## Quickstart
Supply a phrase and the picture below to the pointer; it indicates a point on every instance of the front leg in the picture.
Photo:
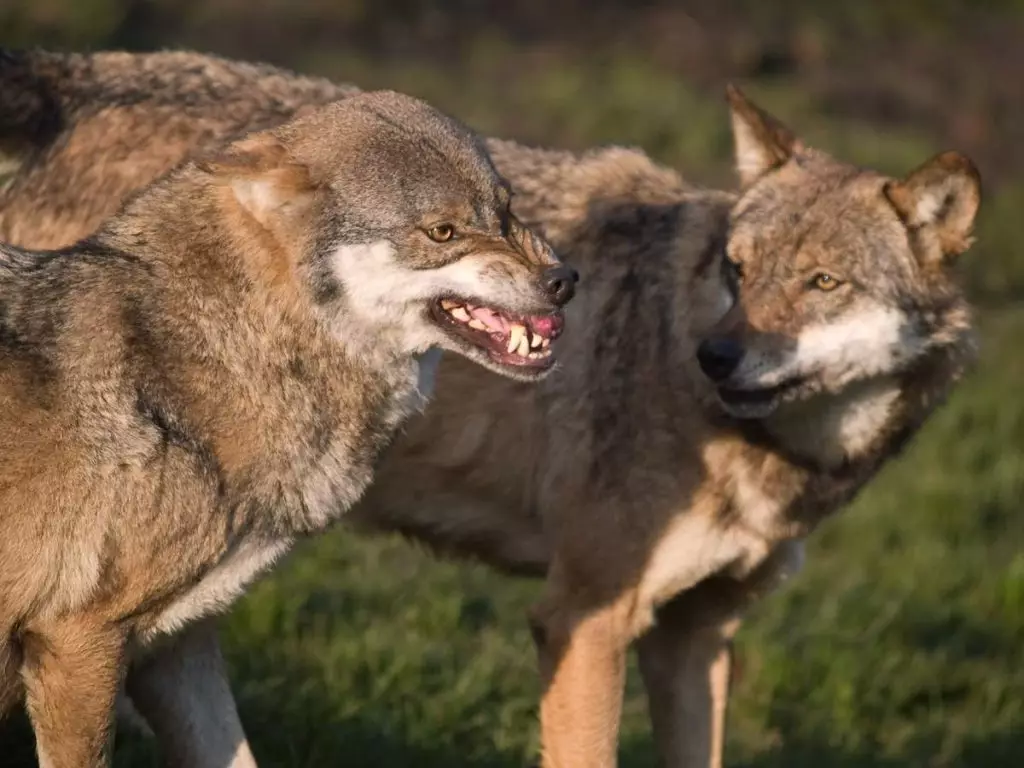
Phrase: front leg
(181, 689)
(71, 671)
(686, 660)
(686, 665)
(582, 645)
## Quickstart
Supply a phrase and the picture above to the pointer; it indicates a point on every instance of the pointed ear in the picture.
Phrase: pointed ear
(266, 182)
(942, 197)
(761, 142)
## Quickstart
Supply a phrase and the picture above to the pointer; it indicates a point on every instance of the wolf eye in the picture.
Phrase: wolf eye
(825, 282)
(441, 233)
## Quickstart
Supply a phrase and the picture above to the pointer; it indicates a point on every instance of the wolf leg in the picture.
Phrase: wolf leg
(686, 659)
(582, 645)
(181, 689)
(686, 668)
(71, 672)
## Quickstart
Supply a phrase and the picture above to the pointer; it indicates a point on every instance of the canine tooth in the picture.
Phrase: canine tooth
(524, 345)
(448, 304)
(536, 341)
(545, 343)
(474, 323)
(515, 334)
(460, 313)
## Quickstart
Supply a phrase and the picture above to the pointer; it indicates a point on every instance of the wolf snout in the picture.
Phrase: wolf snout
(719, 358)
(559, 283)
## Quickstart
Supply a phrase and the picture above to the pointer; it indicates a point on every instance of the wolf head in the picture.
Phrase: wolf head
(840, 275)
(401, 227)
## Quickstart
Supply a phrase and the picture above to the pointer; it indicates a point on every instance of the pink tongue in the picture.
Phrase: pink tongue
(494, 322)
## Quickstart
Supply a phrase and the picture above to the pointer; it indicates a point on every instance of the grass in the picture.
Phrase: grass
(901, 644)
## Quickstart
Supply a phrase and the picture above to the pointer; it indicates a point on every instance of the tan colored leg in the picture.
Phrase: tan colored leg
(582, 654)
(71, 672)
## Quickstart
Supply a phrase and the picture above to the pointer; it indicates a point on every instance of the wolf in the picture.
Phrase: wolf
(213, 374)
(742, 362)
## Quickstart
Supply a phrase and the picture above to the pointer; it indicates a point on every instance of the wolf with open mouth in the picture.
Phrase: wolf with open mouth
(213, 374)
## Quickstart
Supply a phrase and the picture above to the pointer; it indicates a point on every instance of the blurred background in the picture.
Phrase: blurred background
(902, 643)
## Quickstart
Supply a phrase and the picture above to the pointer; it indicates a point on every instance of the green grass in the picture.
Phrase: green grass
(902, 643)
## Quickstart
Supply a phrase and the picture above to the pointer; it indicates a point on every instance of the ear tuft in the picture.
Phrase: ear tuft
(942, 195)
(761, 142)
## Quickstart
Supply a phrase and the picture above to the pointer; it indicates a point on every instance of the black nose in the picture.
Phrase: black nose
(560, 283)
(718, 358)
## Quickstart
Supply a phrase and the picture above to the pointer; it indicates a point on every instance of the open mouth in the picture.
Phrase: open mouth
(523, 341)
(741, 397)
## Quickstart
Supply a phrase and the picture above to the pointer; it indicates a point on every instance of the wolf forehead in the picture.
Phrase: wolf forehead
(384, 144)
(821, 213)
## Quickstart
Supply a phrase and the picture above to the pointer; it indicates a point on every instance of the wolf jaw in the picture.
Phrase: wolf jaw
(870, 343)
(423, 308)
(864, 347)
(509, 339)
(759, 402)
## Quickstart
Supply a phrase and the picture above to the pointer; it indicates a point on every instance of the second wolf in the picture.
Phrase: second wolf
(741, 364)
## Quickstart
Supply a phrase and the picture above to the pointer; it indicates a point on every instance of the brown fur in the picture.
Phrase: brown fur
(196, 385)
(57, 108)
(656, 509)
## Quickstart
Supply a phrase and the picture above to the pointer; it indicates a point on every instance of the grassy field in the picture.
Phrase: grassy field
(902, 644)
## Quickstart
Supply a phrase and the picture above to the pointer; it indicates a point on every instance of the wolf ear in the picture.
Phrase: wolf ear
(266, 182)
(941, 196)
(761, 142)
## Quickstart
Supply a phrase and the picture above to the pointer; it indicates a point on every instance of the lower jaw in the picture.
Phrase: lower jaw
(520, 363)
(512, 362)
(750, 410)
(757, 404)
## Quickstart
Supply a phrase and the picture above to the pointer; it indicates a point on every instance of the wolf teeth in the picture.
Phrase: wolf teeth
(524, 345)
(521, 340)
(516, 334)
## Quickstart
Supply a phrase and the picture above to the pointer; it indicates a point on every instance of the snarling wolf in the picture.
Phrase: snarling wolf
(740, 365)
(213, 374)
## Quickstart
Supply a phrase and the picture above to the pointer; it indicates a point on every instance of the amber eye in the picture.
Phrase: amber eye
(441, 233)
(825, 282)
